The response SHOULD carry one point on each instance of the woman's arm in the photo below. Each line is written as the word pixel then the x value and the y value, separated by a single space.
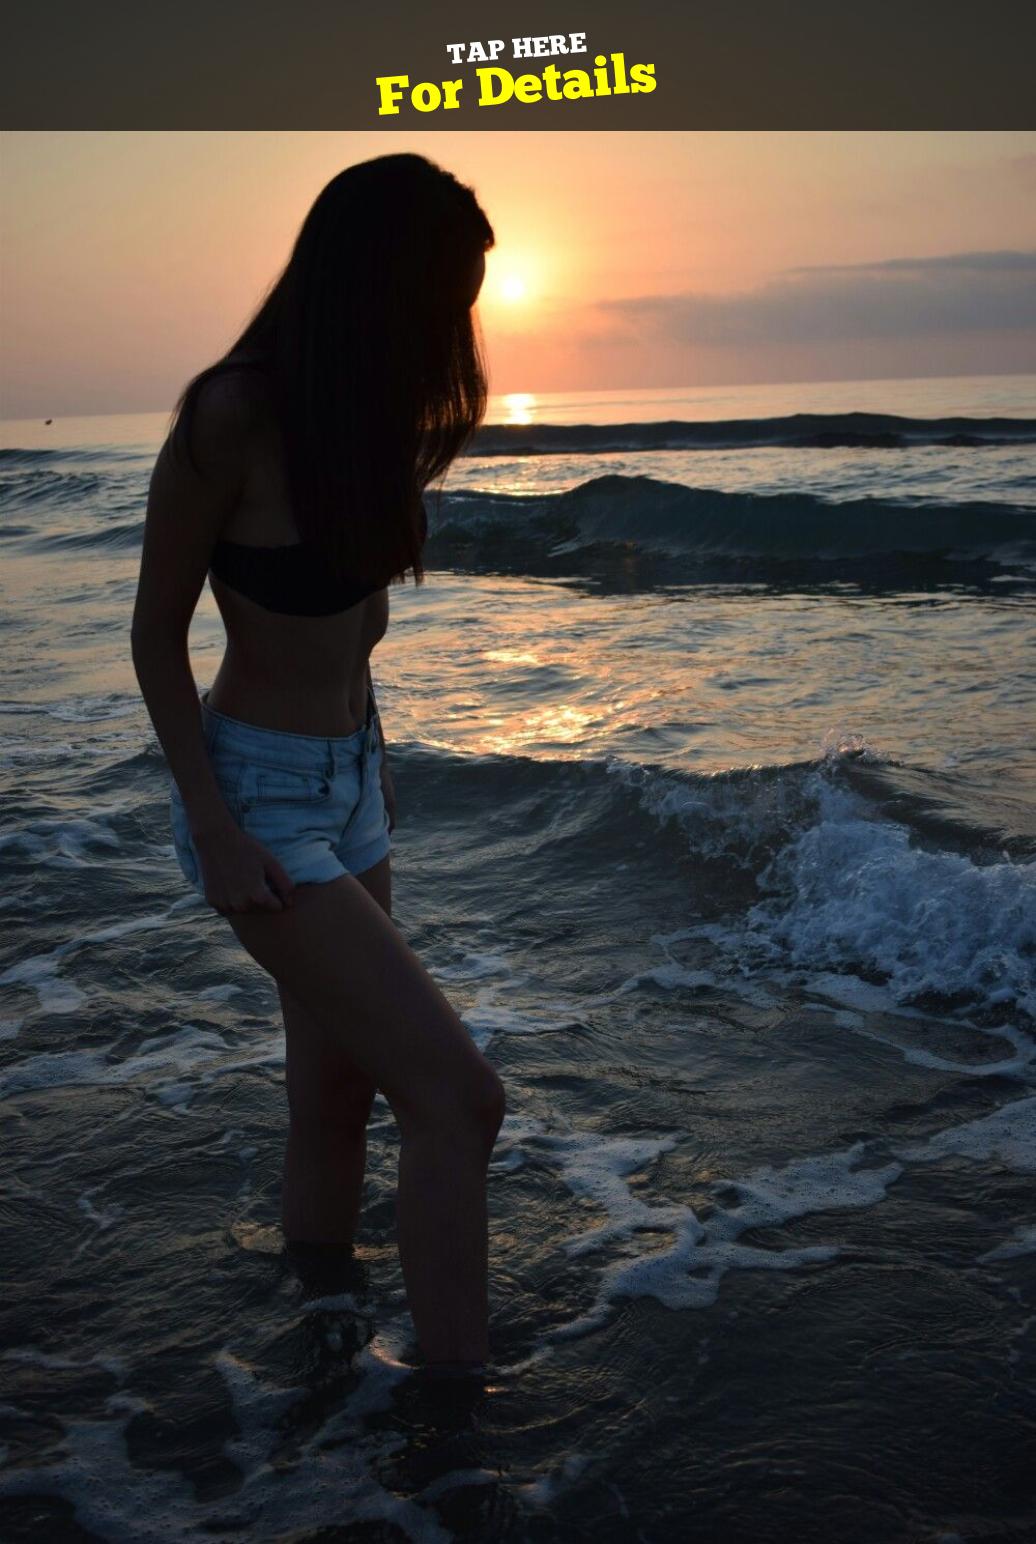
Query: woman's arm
pixel 185 511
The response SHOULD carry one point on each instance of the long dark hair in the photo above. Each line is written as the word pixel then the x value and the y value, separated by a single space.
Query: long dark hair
pixel 370 350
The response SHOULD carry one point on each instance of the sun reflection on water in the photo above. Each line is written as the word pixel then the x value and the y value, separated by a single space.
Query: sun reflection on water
pixel 563 726
pixel 520 406
pixel 511 657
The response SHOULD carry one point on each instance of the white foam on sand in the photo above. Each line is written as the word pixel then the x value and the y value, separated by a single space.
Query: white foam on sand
pixel 486 1018
pixel 78 709
pixel 34 1357
pixel 475 966
pixel 688 1272
pixel 491 1014
pixel 544 1491
pixel 862 999
pixel 42 971
pixel 171 1067
pixel 865 999
pixel 66 842
pixel 103 1219
pixel 1022 1242
pixel 670 975
pixel 330 1480
pixel 1006 1136
pixel 218 994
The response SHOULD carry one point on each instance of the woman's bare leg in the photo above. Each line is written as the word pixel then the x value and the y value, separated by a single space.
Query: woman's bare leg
pixel 345 962
pixel 329 1103
pixel 325 1156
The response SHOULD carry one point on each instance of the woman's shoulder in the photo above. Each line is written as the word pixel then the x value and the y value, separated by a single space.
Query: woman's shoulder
pixel 232 409
pixel 238 392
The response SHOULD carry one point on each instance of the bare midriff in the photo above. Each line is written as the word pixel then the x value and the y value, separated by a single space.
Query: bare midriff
pixel 302 675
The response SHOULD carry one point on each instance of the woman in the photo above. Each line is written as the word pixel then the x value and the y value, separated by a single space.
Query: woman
pixel 292 475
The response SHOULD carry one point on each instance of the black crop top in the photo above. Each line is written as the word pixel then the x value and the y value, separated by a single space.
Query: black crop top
pixel 291 579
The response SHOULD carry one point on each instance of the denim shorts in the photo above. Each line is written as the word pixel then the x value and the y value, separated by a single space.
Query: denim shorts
pixel 314 802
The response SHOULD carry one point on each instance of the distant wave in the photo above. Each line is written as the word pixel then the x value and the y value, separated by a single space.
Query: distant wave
pixel 695 527
pixel 878 431
pixel 53 456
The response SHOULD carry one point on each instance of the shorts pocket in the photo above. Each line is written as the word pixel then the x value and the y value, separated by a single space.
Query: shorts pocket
pixel 283 785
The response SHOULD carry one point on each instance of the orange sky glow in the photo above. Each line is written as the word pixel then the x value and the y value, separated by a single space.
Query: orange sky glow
pixel 130 260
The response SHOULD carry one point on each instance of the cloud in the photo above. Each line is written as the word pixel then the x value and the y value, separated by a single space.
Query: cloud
pixel 899 297
pixel 964 262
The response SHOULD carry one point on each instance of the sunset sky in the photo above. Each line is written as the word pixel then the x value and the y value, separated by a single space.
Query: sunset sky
pixel 130 260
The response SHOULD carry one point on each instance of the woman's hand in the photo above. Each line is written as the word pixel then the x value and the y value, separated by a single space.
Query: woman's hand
pixel 240 875
pixel 388 792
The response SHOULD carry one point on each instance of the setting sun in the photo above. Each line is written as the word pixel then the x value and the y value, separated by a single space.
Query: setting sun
pixel 513 288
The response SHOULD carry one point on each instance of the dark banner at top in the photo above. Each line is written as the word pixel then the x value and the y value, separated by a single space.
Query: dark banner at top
pixel 896 64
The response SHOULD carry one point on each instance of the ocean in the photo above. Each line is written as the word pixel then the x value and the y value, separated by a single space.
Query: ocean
pixel 712 733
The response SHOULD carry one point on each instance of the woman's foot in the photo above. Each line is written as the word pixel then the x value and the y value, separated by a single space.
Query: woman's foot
pixel 326 1270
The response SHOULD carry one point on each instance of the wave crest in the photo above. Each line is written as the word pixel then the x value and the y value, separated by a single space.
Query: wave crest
pixel 880 431
pixel 697 526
